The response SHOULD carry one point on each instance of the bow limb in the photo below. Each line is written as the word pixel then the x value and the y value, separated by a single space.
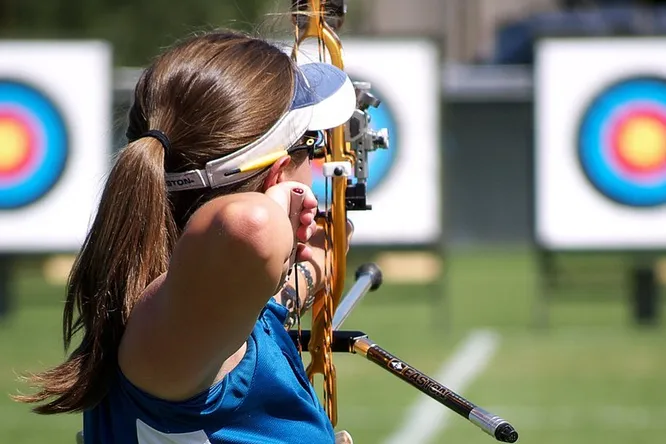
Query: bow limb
pixel 311 23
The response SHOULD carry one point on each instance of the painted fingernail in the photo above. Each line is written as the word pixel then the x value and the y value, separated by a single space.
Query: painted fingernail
pixel 298 190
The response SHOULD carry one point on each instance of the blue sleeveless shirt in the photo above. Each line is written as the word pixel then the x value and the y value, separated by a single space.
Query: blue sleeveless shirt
pixel 266 399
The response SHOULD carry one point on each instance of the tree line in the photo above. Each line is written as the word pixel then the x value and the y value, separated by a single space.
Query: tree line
pixel 137 29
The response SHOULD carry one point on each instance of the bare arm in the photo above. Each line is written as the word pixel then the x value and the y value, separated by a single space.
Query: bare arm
pixel 227 263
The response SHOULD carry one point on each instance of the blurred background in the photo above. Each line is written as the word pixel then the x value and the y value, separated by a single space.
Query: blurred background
pixel 518 215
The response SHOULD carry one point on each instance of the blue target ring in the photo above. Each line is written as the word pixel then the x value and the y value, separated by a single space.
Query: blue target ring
pixel 33 144
pixel 380 162
pixel 622 142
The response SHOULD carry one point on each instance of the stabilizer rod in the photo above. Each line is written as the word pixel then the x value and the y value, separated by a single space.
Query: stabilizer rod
pixel 359 343
pixel 368 278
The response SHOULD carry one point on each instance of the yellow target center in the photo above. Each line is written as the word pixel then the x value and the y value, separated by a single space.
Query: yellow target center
pixel 643 142
pixel 13 145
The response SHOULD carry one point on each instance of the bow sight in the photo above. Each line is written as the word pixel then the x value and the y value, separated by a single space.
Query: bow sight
pixel 363 140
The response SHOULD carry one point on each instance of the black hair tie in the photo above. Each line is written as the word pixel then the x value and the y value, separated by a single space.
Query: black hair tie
pixel 159 135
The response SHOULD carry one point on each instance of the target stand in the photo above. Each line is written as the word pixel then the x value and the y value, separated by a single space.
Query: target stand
pixel 600 164
pixel 54 152
pixel 34 148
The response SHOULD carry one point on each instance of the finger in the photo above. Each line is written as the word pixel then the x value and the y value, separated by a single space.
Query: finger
pixel 350 230
pixel 308 231
pixel 312 229
pixel 295 208
pixel 309 201
pixel 297 196
pixel 350 233
pixel 307 191
pixel 307 217
pixel 304 232
pixel 303 253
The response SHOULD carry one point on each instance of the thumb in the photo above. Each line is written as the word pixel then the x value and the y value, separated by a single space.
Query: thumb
pixel 296 198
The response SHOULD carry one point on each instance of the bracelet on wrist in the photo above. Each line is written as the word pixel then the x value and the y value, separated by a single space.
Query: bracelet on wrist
pixel 309 298
pixel 291 297
pixel 307 275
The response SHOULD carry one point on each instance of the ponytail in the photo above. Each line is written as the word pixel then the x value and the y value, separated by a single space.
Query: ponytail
pixel 208 96
pixel 127 247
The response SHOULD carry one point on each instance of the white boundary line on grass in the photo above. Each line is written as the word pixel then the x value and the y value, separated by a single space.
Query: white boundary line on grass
pixel 427 417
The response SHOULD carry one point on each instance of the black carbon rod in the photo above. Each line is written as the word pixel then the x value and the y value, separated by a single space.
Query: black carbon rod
pixel 357 342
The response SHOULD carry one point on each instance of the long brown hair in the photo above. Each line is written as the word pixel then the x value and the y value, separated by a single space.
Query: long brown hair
pixel 211 95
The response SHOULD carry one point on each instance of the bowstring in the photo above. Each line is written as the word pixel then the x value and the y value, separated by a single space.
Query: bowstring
pixel 299 343
pixel 328 258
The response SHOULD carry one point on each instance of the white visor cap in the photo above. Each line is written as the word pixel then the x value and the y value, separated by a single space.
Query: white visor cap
pixel 324 98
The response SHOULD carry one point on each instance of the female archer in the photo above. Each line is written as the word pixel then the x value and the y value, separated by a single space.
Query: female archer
pixel 181 292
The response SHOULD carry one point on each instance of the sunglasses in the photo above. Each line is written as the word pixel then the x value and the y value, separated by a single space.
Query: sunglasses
pixel 312 141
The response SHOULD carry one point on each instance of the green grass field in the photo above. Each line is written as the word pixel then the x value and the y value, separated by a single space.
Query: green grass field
pixel 591 377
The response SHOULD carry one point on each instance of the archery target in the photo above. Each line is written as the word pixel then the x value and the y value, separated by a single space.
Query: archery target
pixel 33 144
pixel 600 151
pixel 55 114
pixel 380 161
pixel 404 181
pixel 622 142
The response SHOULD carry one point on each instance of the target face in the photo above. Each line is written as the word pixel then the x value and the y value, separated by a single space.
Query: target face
pixel 622 142
pixel 380 161
pixel 33 144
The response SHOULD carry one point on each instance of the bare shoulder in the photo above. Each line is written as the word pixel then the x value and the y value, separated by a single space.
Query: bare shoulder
pixel 190 322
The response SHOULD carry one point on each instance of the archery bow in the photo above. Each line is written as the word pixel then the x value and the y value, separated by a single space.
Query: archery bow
pixel 346 156
pixel 346 172
pixel 309 18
